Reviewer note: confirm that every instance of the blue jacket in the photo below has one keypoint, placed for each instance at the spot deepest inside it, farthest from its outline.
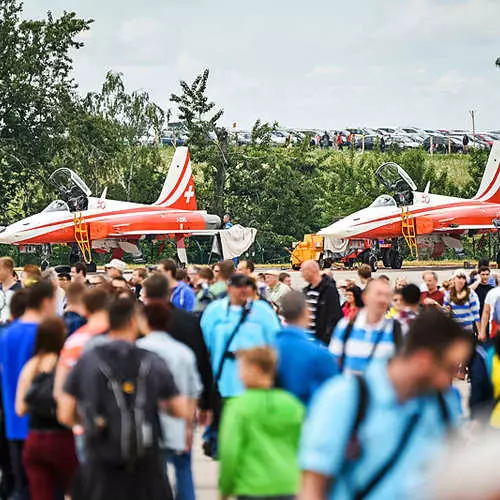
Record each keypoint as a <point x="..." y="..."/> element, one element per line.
<point x="304" y="363"/>
<point x="218" y="322"/>
<point x="183" y="297"/>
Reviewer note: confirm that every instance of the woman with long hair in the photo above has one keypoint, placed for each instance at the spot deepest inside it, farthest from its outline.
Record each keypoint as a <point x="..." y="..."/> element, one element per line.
<point x="353" y="302"/>
<point x="463" y="303"/>
<point x="49" y="452"/>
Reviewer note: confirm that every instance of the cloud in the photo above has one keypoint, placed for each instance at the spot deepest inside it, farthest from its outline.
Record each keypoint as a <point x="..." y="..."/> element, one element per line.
<point x="451" y="82"/>
<point x="326" y="70"/>
<point x="421" y="62"/>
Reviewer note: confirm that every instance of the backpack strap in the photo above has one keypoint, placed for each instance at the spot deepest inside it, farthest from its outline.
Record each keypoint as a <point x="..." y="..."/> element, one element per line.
<point x="444" y="410"/>
<point x="363" y="400"/>
<point x="381" y="334"/>
<point x="225" y="352"/>
<point x="393" y="459"/>
<point x="347" y="334"/>
<point x="352" y="450"/>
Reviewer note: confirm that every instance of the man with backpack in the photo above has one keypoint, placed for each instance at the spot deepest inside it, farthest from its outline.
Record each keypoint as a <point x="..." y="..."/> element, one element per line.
<point x="389" y="423"/>
<point x="120" y="389"/>
<point x="370" y="334"/>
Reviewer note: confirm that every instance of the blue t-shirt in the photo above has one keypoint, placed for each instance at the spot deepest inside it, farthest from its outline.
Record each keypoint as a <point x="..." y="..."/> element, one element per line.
<point x="304" y="363"/>
<point x="16" y="348"/>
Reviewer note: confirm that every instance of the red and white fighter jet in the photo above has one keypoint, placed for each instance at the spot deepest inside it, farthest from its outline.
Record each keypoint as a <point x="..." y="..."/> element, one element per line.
<point x="101" y="224"/>
<point x="428" y="222"/>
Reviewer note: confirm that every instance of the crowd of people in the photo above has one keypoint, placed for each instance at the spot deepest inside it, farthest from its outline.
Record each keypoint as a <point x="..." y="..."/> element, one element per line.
<point x="334" y="390"/>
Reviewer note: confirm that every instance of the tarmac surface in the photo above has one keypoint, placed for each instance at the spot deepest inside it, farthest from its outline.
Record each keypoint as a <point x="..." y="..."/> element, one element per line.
<point x="206" y="470"/>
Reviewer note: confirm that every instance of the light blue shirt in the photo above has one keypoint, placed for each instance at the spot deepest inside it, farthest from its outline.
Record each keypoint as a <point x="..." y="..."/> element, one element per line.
<point x="218" y="322"/>
<point x="327" y="431"/>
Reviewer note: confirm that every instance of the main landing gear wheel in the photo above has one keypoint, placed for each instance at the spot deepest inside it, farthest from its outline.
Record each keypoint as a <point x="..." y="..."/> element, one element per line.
<point x="373" y="262"/>
<point x="396" y="260"/>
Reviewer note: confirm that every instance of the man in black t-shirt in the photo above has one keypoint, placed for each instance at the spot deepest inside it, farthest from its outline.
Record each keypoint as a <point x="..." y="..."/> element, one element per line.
<point x="482" y="286"/>
<point x="90" y="389"/>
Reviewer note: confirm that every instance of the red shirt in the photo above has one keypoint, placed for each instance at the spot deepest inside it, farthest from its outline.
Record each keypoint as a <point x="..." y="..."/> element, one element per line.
<point x="437" y="295"/>
<point x="349" y="312"/>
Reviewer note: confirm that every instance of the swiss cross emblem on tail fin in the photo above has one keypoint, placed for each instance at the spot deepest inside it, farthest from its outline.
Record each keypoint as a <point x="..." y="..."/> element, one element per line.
<point x="178" y="191"/>
<point x="189" y="194"/>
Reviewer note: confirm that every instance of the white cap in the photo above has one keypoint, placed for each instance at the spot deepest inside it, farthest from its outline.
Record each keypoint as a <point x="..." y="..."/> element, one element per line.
<point x="117" y="264"/>
<point x="460" y="273"/>
<point x="272" y="272"/>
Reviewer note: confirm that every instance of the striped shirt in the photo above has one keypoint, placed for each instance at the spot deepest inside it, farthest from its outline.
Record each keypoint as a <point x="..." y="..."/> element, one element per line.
<point x="365" y="342"/>
<point x="312" y="298"/>
<point x="466" y="314"/>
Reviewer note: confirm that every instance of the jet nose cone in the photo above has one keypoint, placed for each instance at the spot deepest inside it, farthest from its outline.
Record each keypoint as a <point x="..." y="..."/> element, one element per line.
<point x="336" y="230"/>
<point x="211" y="221"/>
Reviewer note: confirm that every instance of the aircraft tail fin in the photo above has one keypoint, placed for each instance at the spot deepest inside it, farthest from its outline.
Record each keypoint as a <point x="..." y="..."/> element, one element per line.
<point x="178" y="190"/>
<point x="489" y="190"/>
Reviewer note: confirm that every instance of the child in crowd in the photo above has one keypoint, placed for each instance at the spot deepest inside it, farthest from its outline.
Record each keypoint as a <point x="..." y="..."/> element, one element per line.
<point x="260" y="433"/>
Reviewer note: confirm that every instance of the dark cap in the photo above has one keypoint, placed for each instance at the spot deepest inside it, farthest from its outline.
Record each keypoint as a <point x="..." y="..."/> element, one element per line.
<point x="239" y="281"/>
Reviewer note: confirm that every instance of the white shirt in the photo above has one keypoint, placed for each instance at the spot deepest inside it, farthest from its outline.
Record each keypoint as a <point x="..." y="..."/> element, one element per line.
<point x="491" y="299"/>
<point x="181" y="362"/>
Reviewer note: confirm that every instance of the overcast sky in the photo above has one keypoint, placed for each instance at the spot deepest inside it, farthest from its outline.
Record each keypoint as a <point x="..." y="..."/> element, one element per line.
<point x="325" y="64"/>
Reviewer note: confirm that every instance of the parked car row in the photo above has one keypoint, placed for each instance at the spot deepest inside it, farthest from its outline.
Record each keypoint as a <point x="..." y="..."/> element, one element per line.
<point x="441" y="140"/>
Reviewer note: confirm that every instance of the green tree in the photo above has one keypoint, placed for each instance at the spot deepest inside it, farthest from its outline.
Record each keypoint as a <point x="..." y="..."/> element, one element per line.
<point x="208" y="141"/>
<point x="136" y="123"/>
<point x="37" y="95"/>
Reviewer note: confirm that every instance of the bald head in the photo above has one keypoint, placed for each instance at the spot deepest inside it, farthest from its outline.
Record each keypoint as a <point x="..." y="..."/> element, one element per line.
<point x="311" y="272"/>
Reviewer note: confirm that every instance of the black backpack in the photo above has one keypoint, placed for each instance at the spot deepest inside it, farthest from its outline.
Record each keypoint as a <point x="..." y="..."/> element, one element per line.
<point x="121" y="421"/>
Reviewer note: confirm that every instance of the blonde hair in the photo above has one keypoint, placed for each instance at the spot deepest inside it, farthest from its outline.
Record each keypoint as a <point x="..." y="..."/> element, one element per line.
<point x="262" y="357"/>
<point x="7" y="263"/>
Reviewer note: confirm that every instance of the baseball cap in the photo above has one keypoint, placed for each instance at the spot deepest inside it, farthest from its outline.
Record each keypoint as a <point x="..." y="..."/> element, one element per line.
<point x="460" y="273"/>
<point x="117" y="264"/>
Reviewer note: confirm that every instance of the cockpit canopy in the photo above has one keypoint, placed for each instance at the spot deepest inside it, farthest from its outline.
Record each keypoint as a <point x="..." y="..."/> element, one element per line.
<point x="384" y="200"/>
<point x="397" y="181"/>
<point x="71" y="188"/>
<point x="56" y="206"/>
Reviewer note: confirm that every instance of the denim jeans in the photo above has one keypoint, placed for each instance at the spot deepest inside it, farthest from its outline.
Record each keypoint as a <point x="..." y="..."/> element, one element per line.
<point x="184" y="485"/>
